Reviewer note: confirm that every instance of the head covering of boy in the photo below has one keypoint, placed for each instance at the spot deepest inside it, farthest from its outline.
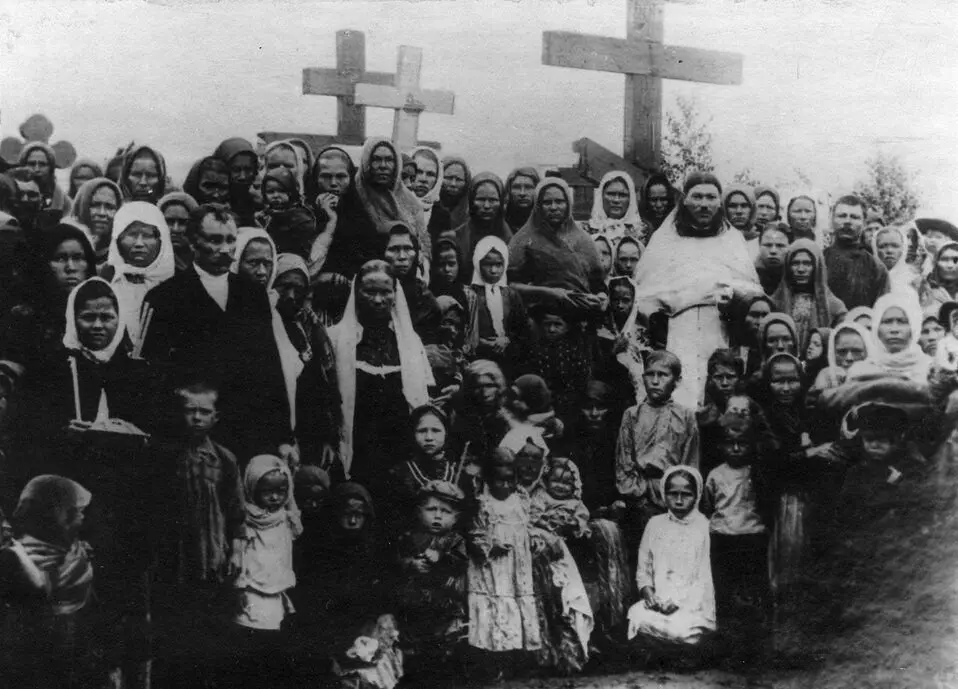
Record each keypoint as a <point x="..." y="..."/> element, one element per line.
<point x="444" y="490"/>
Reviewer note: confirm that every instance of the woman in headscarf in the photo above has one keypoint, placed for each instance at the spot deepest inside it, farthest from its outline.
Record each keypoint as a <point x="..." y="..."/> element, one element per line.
<point x="143" y="176"/>
<point x="176" y="208"/>
<point x="739" y="206"/>
<point x="456" y="183"/>
<point x="95" y="205"/>
<point x="628" y="253"/>
<point x="777" y="334"/>
<point x="208" y="181"/>
<point x="552" y="257"/>
<point x="370" y="208"/>
<point x="941" y="285"/>
<point x="803" y="292"/>
<point x="243" y="165"/>
<point x="427" y="187"/>
<point x="83" y="170"/>
<point x="402" y="254"/>
<point x="334" y="174"/>
<point x="46" y="582"/>
<point x="40" y="159"/>
<point x="141" y="257"/>
<point x="896" y="330"/>
<point x="659" y="199"/>
<point x="622" y="342"/>
<point x="520" y="197"/>
<point x="848" y="344"/>
<point x="891" y="246"/>
<point x="803" y="217"/>
<point x="382" y="372"/>
<point x="768" y="205"/>
<point x="485" y="218"/>
<point x="615" y="209"/>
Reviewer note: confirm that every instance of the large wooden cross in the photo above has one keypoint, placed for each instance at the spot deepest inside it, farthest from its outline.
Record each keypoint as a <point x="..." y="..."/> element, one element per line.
<point x="645" y="61"/>
<point x="341" y="82"/>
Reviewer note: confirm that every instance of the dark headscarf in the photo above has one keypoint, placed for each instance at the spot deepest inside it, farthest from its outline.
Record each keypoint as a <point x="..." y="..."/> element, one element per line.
<point x="231" y="148"/>
<point x="458" y="207"/>
<point x="473" y="230"/>
<point x="192" y="184"/>
<point x="79" y="164"/>
<point x="128" y="159"/>
<point x="645" y="209"/>
<point x="516" y="217"/>
<point x="52" y="193"/>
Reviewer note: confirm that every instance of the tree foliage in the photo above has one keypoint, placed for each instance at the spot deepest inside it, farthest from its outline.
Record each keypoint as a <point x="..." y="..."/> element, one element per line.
<point x="747" y="177"/>
<point x="686" y="141"/>
<point x="889" y="188"/>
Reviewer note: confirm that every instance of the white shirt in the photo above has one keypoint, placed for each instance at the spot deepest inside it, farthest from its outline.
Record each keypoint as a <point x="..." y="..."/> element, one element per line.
<point x="731" y="494"/>
<point x="217" y="286"/>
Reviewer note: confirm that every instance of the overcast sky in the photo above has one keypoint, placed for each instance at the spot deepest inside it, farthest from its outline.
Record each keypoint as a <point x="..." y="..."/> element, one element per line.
<point x="826" y="84"/>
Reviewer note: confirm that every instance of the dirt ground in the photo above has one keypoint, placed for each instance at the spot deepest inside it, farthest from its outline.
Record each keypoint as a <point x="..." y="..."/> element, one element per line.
<point x="883" y="613"/>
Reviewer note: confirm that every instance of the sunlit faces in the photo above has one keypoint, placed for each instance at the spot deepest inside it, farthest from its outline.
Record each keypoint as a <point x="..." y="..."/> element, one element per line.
<point x="447" y="265"/>
<point x="143" y="177"/>
<point x="214" y="186"/>
<point x="214" y="244"/>
<point x="256" y="263"/>
<point x="815" y="348"/>
<point x="848" y="222"/>
<point x="890" y="247"/>
<point x="427" y="174"/>
<point x="894" y="330"/>
<point x="756" y="312"/>
<point x="176" y="216"/>
<point x="931" y="333"/>
<point x="658" y="200"/>
<point x="703" y="202"/>
<point x="724" y="380"/>
<point x="766" y="208"/>
<point x="801" y="268"/>
<point x="242" y="170"/>
<point x="491" y="267"/>
<point x="375" y="296"/>
<point x="784" y="381"/>
<point x="199" y="411"/>
<point x="680" y="495"/>
<point x="486" y="202"/>
<point x="947" y="265"/>
<point x="430" y="435"/>
<point x="522" y="191"/>
<point x="103" y="206"/>
<point x="738" y="210"/>
<point x="97" y="321"/>
<point x="38" y="164"/>
<point x="139" y="244"/>
<point x="401" y="254"/>
<point x="849" y="348"/>
<point x="627" y="256"/>
<point x="272" y="491"/>
<point x="660" y="381"/>
<point x="68" y="265"/>
<point x="333" y="177"/>
<point x="437" y="516"/>
<point x="772" y="247"/>
<point x="779" y="339"/>
<point x="615" y="199"/>
<point x="454" y="180"/>
<point x="554" y="205"/>
<point x="802" y="215"/>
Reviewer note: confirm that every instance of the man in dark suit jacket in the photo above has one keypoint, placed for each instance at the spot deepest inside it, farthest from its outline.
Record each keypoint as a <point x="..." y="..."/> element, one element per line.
<point x="207" y="319"/>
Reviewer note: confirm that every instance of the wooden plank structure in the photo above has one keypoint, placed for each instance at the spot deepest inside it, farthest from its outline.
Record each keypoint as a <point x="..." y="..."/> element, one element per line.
<point x="645" y="61"/>
<point x="343" y="81"/>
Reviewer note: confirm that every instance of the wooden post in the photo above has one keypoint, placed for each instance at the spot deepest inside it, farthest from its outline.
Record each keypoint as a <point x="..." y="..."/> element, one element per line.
<point x="642" y="135"/>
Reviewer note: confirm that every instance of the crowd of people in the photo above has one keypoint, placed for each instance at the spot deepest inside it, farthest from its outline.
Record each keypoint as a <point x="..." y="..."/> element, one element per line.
<point x="307" y="421"/>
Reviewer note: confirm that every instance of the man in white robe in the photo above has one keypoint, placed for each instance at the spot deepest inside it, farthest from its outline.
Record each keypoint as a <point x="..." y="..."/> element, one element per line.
<point x="695" y="263"/>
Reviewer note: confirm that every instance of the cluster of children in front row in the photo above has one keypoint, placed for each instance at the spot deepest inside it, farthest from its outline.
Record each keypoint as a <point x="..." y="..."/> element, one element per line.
<point x="494" y="560"/>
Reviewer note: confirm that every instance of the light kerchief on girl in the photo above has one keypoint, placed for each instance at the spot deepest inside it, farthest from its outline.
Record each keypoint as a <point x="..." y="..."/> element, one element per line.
<point x="100" y="299"/>
<point x="490" y="262"/>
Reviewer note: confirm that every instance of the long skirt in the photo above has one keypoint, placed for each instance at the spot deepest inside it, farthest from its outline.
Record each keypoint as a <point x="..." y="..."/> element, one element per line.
<point x="788" y="542"/>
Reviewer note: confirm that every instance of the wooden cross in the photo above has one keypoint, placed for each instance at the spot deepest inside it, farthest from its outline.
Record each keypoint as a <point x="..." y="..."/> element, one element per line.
<point x="341" y="82"/>
<point x="406" y="98"/>
<point x="645" y="61"/>
<point x="37" y="128"/>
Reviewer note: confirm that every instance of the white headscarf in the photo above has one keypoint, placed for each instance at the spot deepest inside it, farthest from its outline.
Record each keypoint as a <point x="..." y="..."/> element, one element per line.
<point x="854" y="327"/>
<point x="130" y="291"/>
<point x="911" y="363"/>
<point x="71" y="339"/>
<point x="432" y="196"/>
<point x="416" y="372"/>
<point x="601" y="223"/>
<point x="244" y="236"/>
<point x="493" y="291"/>
<point x="901" y="276"/>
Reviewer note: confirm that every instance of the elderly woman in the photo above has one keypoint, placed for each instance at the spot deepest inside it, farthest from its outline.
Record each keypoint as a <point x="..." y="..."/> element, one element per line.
<point x="615" y="209"/>
<point x="552" y="257"/>
<point x="382" y="372"/>
<point x="803" y="292"/>
<point x="95" y="205"/>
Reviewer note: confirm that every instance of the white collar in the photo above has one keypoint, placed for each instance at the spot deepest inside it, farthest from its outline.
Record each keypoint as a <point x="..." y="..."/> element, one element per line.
<point x="209" y="277"/>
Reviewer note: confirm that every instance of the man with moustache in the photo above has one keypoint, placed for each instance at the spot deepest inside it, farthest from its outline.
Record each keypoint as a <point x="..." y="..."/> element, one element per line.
<point x="695" y="264"/>
<point x="854" y="275"/>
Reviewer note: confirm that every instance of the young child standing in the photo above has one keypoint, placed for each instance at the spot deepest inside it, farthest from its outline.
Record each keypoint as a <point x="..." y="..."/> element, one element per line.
<point x="655" y="435"/>
<point x="674" y="575"/>
<point x="502" y="321"/>
<point x="502" y="603"/>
